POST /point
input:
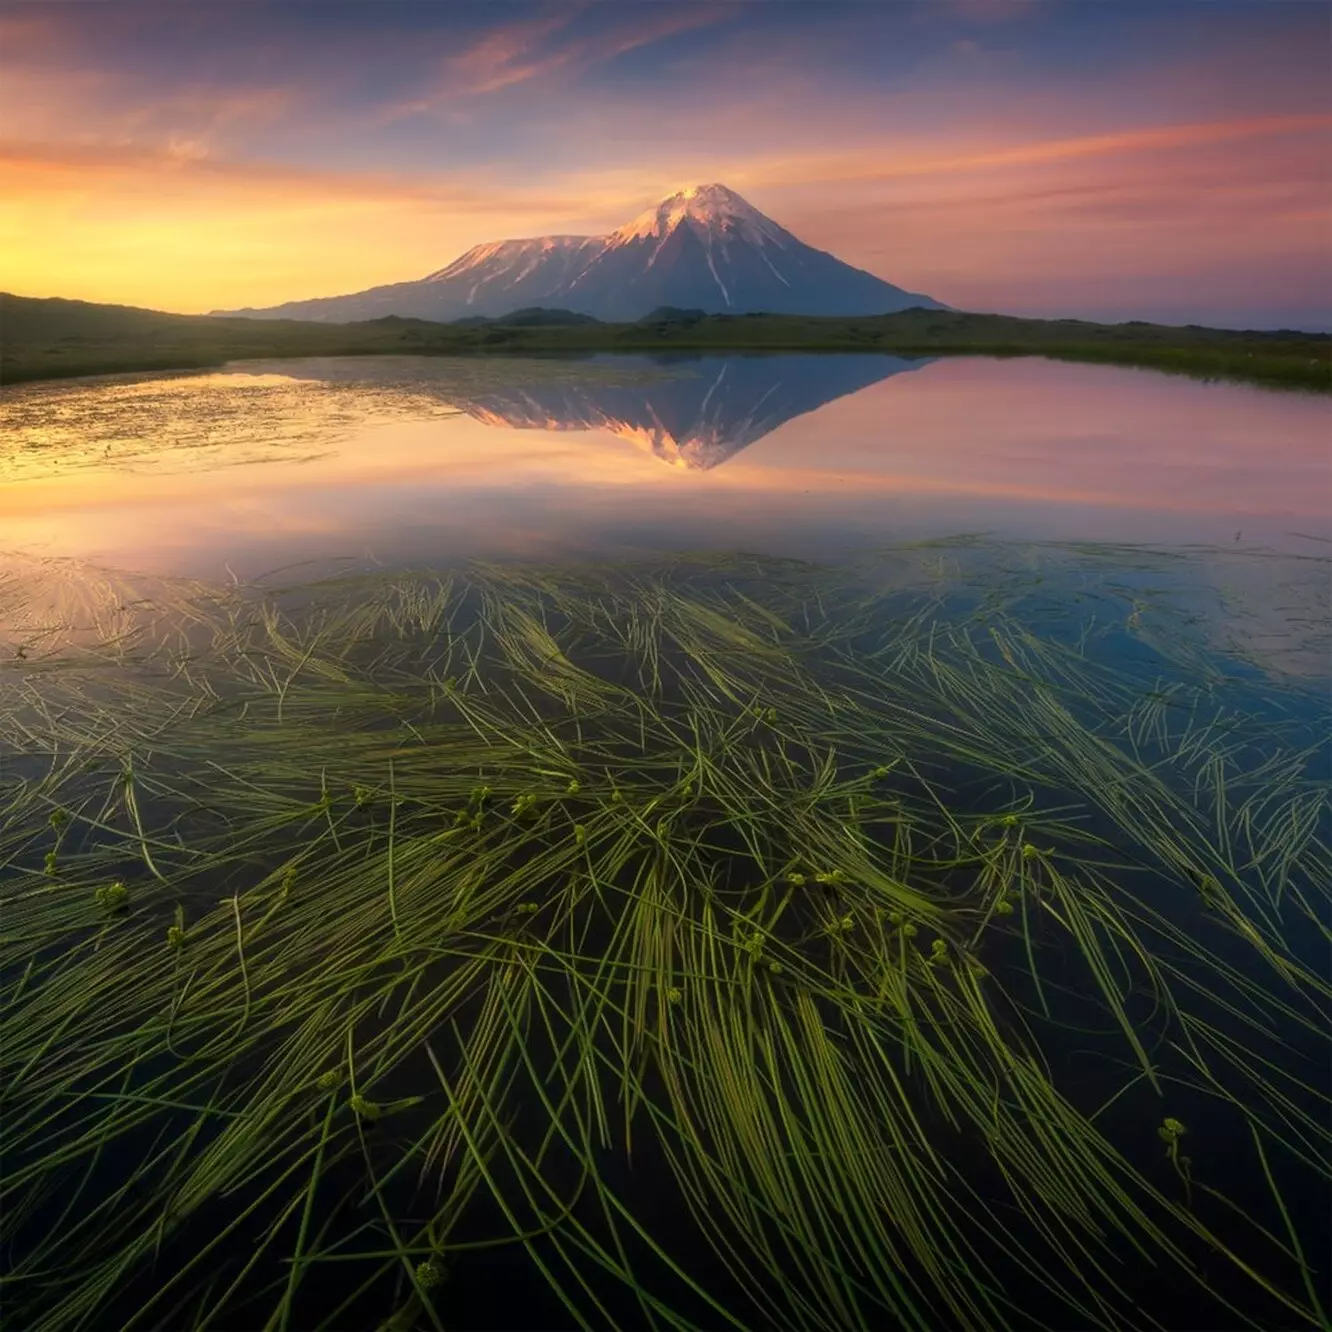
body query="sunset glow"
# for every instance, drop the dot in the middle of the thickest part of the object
(1167, 162)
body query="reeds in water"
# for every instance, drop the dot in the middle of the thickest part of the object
(935, 967)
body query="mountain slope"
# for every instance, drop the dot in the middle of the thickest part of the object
(704, 247)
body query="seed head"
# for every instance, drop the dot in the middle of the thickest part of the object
(112, 896)
(429, 1273)
(1171, 1130)
(364, 1109)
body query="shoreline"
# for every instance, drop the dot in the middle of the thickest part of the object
(44, 340)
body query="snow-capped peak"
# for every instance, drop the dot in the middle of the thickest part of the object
(710, 209)
(702, 247)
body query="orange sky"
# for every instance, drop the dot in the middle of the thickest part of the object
(1171, 163)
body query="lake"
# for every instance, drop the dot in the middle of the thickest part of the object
(804, 841)
(407, 460)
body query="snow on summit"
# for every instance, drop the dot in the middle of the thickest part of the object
(703, 247)
(707, 208)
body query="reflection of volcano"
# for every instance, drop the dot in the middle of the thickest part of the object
(698, 416)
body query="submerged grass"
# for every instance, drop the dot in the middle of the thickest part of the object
(726, 943)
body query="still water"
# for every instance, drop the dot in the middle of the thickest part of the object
(799, 841)
(409, 460)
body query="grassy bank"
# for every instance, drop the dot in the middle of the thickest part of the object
(723, 943)
(46, 339)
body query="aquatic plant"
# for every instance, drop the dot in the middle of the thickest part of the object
(110, 896)
(707, 950)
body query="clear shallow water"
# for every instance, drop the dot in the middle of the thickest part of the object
(1154, 559)
(298, 468)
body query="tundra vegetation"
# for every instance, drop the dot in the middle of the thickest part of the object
(52, 339)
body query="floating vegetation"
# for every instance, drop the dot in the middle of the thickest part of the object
(723, 944)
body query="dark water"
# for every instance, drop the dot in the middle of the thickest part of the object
(1177, 532)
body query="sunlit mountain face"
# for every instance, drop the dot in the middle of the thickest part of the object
(701, 248)
(701, 412)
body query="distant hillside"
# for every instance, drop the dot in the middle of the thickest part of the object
(53, 338)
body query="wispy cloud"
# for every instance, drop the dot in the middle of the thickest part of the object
(895, 160)
(981, 150)
(522, 52)
(507, 55)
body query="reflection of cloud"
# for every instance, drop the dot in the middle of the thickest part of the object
(957, 445)
(1267, 610)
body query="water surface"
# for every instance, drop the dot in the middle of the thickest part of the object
(1063, 625)
(411, 460)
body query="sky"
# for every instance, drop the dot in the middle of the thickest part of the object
(1109, 159)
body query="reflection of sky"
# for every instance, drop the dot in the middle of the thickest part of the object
(1029, 449)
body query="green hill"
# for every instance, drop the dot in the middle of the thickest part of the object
(54, 338)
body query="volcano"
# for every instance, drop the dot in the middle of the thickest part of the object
(702, 248)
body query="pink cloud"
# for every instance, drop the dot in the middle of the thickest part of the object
(521, 53)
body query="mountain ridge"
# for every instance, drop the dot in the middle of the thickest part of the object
(703, 247)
